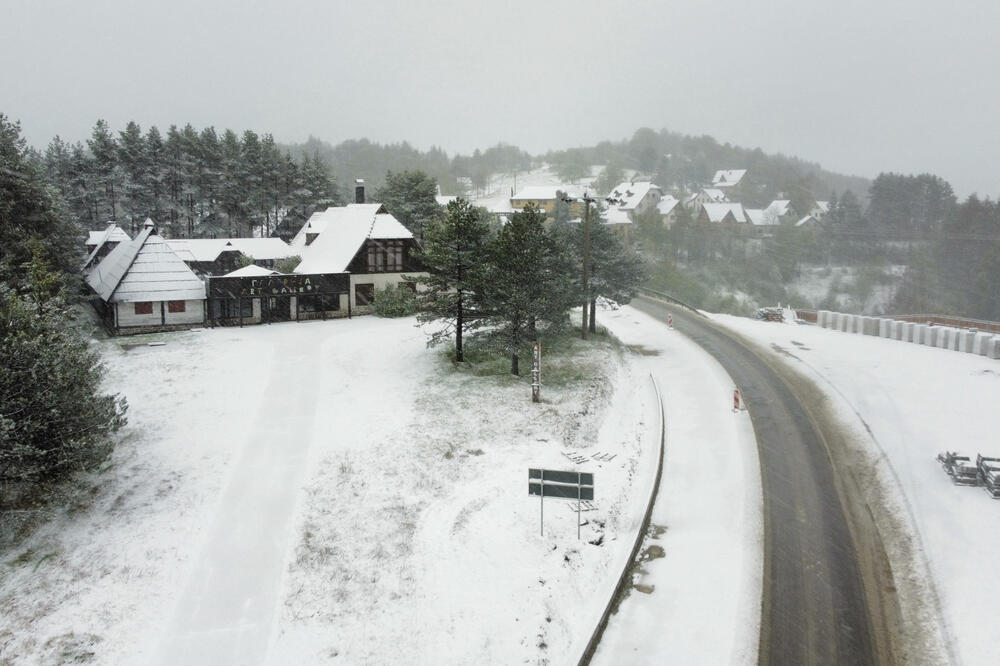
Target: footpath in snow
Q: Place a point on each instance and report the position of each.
(697, 598)
(906, 403)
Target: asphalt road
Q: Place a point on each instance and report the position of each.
(815, 609)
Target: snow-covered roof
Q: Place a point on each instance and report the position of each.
(728, 178)
(615, 215)
(807, 221)
(209, 249)
(823, 206)
(547, 192)
(717, 211)
(444, 200)
(342, 231)
(760, 217)
(253, 270)
(110, 234)
(632, 194)
(145, 269)
(780, 207)
(667, 204)
(113, 234)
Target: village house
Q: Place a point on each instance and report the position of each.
(783, 210)
(545, 198)
(722, 213)
(635, 198)
(142, 286)
(707, 195)
(668, 208)
(363, 240)
(728, 178)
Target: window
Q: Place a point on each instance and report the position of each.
(319, 303)
(385, 256)
(144, 308)
(175, 306)
(364, 294)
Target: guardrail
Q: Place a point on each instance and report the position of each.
(625, 578)
(667, 297)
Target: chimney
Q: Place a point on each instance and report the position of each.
(359, 190)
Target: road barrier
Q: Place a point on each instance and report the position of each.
(970, 336)
(625, 579)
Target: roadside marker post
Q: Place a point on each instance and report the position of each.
(736, 400)
(536, 372)
(670, 321)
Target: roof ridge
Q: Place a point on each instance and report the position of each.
(139, 241)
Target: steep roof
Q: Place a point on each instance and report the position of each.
(716, 195)
(253, 270)
(209, 249)
(113, 234)
(631, 194)
(667, 204)
(760, 217)
(807, 221)
(717, 211)
(780, 207)
(145, 269)
(342, 231)
(728, 178)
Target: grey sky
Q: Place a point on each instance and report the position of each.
(859, 86)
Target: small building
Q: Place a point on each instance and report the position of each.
(783, 210)
(636, 197)
(728, 178)
(722, 213)
(704, 196)
(143, 286)
(100, 243)
(807, 222)
(545, 198)
(668, 208)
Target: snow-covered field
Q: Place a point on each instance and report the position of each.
(302, 492)
(908, 403)
(333, 491)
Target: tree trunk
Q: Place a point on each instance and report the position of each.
(593, 315)
(458, 330)
(514, 370)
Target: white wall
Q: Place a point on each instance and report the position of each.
(380, 280)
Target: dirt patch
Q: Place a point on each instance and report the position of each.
(652, 552)
(643, 351)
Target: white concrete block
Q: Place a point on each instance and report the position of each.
(846, 321)
(922, 334)
(969, 340)
(869, 326)
(994, 347)
(941, 337)
(909, 332)
(898, 327)
(884, 328)
(955, 342)
(823, 318)
(859, 324)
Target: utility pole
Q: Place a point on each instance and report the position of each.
(584, 329)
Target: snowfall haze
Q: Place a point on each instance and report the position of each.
(859, 87)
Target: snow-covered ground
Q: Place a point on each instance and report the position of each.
(907, 403)
(299, 492)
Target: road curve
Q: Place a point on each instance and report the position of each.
(815, 609)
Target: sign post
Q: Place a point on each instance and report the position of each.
(536, 372)
(568, 485)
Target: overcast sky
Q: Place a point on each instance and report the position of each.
(859, 86)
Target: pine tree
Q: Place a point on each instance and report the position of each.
(104, 150)
(528, 284)
(410, 197)
(454, 255)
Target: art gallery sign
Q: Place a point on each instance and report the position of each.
(279, 285)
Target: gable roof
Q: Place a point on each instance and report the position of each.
(253, 270)
(716, 195)
(342, 231)
(667, 204)
(145, 269)
(113, 234)
(728, 178)
(760, 217)
(780, 207)
(209, 249)
(717, 211)
(632, 194)
(807, 221)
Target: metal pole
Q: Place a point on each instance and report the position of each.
(586, 265)
(577, 506)
(541, 505)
